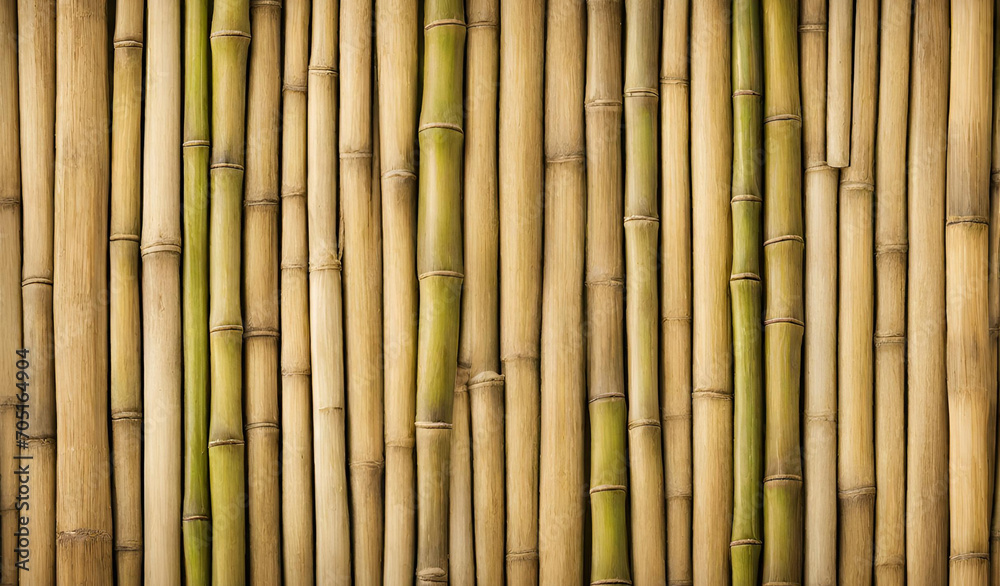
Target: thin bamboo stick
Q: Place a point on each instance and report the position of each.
(562, 480)
(927, 407)
(461, 538)
(994, 293)
(839, 82)
(260, 291)
(712, 396)
(675, 283)
(966, 252)
(83, 505)
(486, 398)
(890, 294)
(397, 32)
(36, 85)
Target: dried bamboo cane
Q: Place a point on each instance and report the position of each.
(260, 292)
(890, 294)
(927, 406)
(439, 266)
(856, 448)
(462, 555)
(230, 42)
(819, 346)
(841, 62)
(397, 32)
(36, 85)
(675, 283)
(966, 252)
(521, 173)
(125, 307)
(83, 505)
(994, 293)
(562, 480)
(712, 396)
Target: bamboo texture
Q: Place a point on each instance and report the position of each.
(461, 536)
(994, 294)
(841, 62)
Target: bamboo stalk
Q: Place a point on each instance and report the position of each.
(296, 416)
(994, 295)
(194, 278)
(856, 449)
(521, 172)
(966, 251)
(333, 566)
(397, 33)
(562, 478)
(675, 283)
(439, 266)
(890, 294)
(260, 291)
(36, 85)
(712, 396)
(83, 505)
(230, 41)
(927, 407)
(839, 82)
(461, 538)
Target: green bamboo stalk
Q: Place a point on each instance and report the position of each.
(784, 252)
(839, 89)
(439, 266)
(230, 42)
(745, 292)
(194, 279)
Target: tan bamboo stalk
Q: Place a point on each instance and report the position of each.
(461, 538)
(83, 505)
(296, 417)
(125, 306)
(397, 32)
(856, 448)
(333, 564)
(522, 54)
(819, 346)
(486, 398)
(927, 407)
(890, 294)
(994, 293)
(36, 85)
(840, 64)
(439, 266)
(712, 396)
(966, 253)
(562, 478)
(675, 283)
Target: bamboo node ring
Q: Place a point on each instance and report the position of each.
(606, 397)
(523, 555)
(432, 425)
(752, 93)
(444, 22)
(818, 27)
(293, 266)
(230, 33)
(261, 203)
(125, 237)
(331, 265)
(294, 87)
(441, 125)
(787, 237)
(127, 416)
(261, 333)
(712, 394)
(641, 218)
(643, 423)
(195, 518)
(10, 201)
(680, 318)
(373, 464)
(750, 197)
(196, 143)
(889, 339)
(740, 542)
(482, 24)
(36, 281)
(235, 166)
(857, 186)
(447, 274)
(680, 583)
(400, 173)
(610, 581)
(359, 154)
(667, 80)
(567, 158)
(323, 70)
(780, 117)
(607, 488)
(225, 442)
(861, 491)
(262, 3)
(597, 104)
(293, 193)
(84, 535)
(641, 92)
(960, 557)
(127, 44)
(296, 372)
(952, 220)
(783, 477)
(613, 282)
(157, 247)
(784, 320)
(226, 328)
(744, 277)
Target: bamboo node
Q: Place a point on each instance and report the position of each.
(668, 417)
(613, 282)
(680, 583)
(680, 495)
(820, 167)
(857, 186)
(960, 557)
(606, 396)
(668, 80)
(355, 154)
(261, 3)
(567, 158)
(162, 246)
(486, 380)
(641, 92)
(610, 581)
(898, 248)
(83, 535)
(444, 22)
(226, 328)
(293, 266)
(432, 425)
(952, 220)
(780, 117)
(294, 372)
(680, 318)
(294, 88)
(643, 423)
(830, 416)
(260, 424)
(293, 193)
(127, 44)
(818, 27)
(781, 584)
(787, 237)
(330, 265)
(482, 24)
(718, 394)
(225, 442)
(783, 478)
(196, 143)
(442, 125)
(739, 542)
(236, 166)
(261, 333)
(598, 104)
(195, 518)
(126, 416)
(10, 201)
(640, 218)
(889, 339)
(323, 70)
(752, 93)
(744, 277)
(229, 33)
(257, 203)
(401, 173)
(522, 555)
(785, 320)
(433, 575)
(125, 237)
(749, 197)
(36, 281)
(861, 491)
(448, 274)
(131, 545)
(373, 464)
(405, 443)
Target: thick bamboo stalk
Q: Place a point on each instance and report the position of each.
(296, 416)
(927, 406)
(194, 279)
(521, 160)
(439, 266)
(397, 32)
(36, 85)
(966, 252)
(230, 42)
(562, 478)
(675, 283)
(840, 71)
(83, 505)
(461, 538)
(890, 294)
(260, 292)
(819, 346)
(712, 394)
(856, 448)
(125, 306)
(486, 398)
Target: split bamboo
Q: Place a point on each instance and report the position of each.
(562, 478)
(82, 173)
(966, 253)
(840, 71)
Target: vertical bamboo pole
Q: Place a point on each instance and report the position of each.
(562, 480)
(462, 555)
(839, 82)
(83, 505)
(397, 32)
(125, 306)
(675, 283)
(994, 292)
(890, 294)
(522, 54)
(36, 26)
(966, 253)
(712, 396)
(927, 406)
